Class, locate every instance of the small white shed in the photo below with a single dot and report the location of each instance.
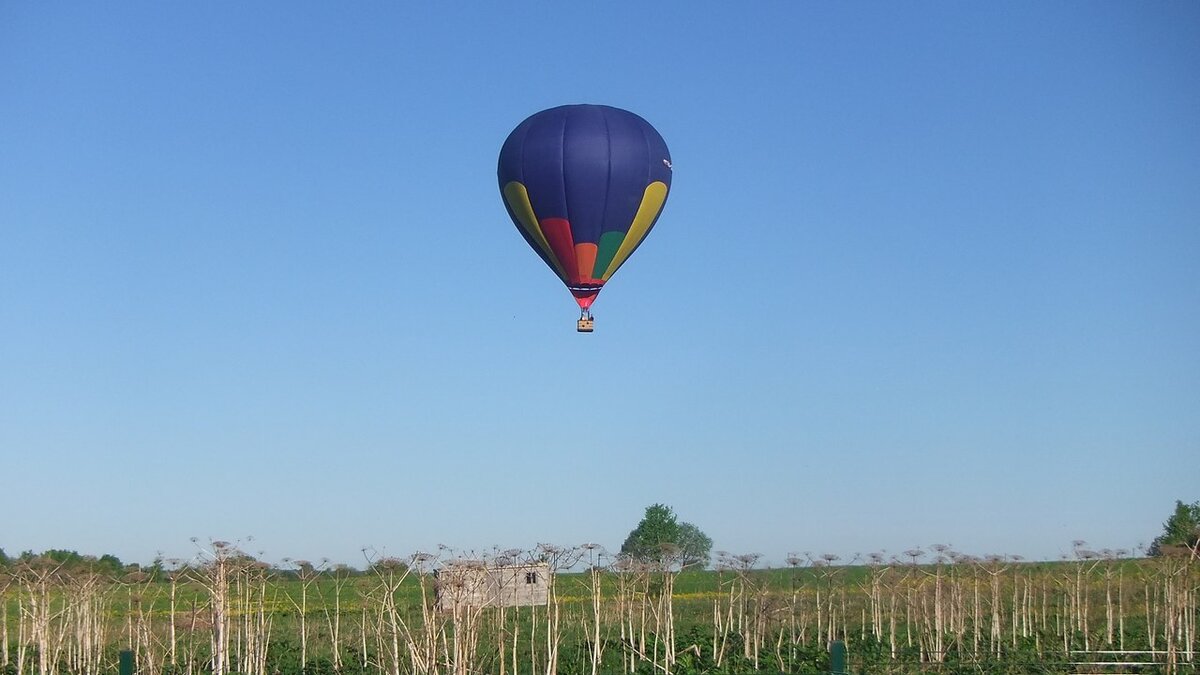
(474, 583)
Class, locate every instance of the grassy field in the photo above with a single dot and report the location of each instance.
(232, 614)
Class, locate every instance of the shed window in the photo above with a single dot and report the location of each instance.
(531, 577)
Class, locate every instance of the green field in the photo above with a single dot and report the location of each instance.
(232, 614)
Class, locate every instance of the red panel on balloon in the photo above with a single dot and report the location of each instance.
(558, 234)
(585, 297)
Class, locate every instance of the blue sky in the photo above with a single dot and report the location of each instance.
(929, 273)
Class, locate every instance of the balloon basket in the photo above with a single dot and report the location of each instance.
(585, 325)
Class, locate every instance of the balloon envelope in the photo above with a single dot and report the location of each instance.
(584, 185)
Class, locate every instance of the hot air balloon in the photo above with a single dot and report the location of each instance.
(584, 184)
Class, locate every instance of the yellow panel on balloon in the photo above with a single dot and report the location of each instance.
(652, 203)
(518, 200)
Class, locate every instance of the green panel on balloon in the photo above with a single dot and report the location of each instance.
(609, 243)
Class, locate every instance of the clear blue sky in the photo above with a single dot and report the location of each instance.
(929, 273)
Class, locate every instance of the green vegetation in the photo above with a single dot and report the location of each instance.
(1181, 532)
(661, 537)
(650, 609)
(226, 613)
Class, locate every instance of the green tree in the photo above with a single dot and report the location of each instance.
(658, 528)
(694, 545)
(1182, 529)
(109, 563)
(661, 534)
(61, 555)
(73, 560)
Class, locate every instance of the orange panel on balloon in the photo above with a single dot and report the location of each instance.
(585, 260)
